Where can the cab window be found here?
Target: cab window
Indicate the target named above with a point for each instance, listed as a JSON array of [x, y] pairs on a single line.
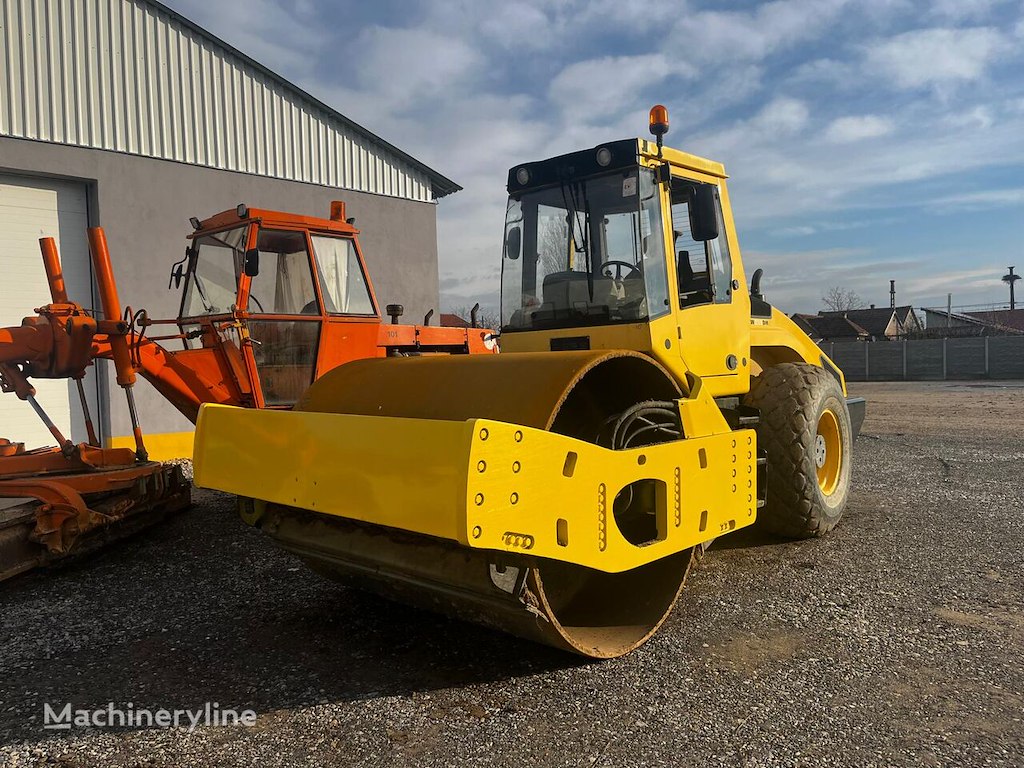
[[284, 285], [215, 267], [342, 283], [703, 269]]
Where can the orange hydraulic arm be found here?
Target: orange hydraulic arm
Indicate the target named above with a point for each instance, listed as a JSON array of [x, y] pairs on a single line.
[[84, 487], [60, 342]]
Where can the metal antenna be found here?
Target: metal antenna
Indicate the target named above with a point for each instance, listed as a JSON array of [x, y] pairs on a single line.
[[1011, 278]]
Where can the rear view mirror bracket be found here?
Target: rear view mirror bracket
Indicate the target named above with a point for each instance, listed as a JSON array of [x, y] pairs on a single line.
[[178, 268]]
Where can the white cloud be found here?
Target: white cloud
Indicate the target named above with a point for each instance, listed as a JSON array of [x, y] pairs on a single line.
[[981, 200], [600, 87], [406, 67], [783, 115], [518, 27], [753, 35], [962, 283], [960, 10], [828, 71], [801, 231], [845, 130], [934, 57], [980, 117], [280, 39]]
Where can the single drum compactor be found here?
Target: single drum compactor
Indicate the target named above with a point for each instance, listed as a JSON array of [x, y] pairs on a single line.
[[645, 402]]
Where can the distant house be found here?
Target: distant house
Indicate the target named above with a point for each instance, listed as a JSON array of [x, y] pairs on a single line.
[[882, 323], [909, 321], [830, 327], [962, 324], [453, 321], [1002, 318]]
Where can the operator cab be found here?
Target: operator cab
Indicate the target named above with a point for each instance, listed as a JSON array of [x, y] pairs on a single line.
[[272, 286], [627, 245], [584, 242]]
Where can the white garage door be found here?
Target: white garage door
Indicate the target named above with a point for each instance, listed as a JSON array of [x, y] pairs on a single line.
[[31, 208]]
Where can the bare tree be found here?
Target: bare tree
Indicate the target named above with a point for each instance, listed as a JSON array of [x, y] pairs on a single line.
[[553, 244], [485, 318], [840, 299]]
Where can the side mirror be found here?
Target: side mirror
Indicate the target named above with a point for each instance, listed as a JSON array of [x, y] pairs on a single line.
[[178, 268], [513, 242], [704, 213], [252, 262], [177, 273]]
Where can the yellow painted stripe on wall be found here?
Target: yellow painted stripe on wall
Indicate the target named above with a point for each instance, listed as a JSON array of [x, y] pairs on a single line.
[[161, 445]]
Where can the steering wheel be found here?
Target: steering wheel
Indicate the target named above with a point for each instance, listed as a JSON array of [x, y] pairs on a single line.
[[618, 268]]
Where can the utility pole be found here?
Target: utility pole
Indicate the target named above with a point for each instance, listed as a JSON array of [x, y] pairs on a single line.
[[949, 309], [1011, 278], [892, 294]]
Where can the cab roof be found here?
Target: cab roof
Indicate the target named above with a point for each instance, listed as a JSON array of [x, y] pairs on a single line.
[[615, 155], [267, 217]]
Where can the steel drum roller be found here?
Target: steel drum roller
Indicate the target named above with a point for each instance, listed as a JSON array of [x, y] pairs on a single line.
[[589, 612]]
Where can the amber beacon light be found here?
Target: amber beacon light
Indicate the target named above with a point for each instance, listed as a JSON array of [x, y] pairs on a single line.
[[659, 121]]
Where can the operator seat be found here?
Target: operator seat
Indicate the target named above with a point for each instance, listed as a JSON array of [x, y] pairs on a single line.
[[571, 290], [693, 288], [685, 272]]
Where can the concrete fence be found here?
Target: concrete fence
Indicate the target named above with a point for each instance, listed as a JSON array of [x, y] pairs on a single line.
[[989, 357]]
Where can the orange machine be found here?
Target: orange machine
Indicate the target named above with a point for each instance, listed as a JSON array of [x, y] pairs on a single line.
[[270, 302]]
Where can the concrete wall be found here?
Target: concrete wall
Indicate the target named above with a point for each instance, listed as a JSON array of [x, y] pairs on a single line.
[[144, 206], [992, 357]]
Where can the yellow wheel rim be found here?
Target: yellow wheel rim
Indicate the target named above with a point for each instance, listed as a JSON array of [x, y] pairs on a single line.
[[828, 452]]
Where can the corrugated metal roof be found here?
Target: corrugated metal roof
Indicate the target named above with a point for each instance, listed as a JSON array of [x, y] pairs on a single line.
[[134, 76]]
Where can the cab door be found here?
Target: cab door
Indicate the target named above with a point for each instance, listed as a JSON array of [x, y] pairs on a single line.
[[283, 316], [711, 303]]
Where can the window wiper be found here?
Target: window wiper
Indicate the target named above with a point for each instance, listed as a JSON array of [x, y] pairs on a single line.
[[586, 224], [584, 228], [572, 211], [210, 309]]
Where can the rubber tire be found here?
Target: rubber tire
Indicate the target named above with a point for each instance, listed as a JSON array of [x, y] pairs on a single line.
[[791, 398]]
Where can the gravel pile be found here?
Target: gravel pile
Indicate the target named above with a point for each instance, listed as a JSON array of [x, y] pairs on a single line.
[[894, 641]]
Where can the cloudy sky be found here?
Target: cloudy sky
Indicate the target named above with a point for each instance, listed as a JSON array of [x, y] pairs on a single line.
[[865, 139]]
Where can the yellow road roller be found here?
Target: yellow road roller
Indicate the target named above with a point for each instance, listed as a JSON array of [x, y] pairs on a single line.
[[645, 402]]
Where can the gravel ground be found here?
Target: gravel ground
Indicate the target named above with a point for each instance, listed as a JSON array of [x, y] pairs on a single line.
[[894, 641]]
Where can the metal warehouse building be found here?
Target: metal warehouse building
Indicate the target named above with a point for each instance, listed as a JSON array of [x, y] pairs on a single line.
[[124, 114]]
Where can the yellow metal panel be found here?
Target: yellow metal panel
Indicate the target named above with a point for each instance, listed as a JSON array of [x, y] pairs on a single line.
[[161, 446], [485, 484], [538, 493], [403, 473], [698, 413], [632, 336], [701, 165], [781, 332]]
